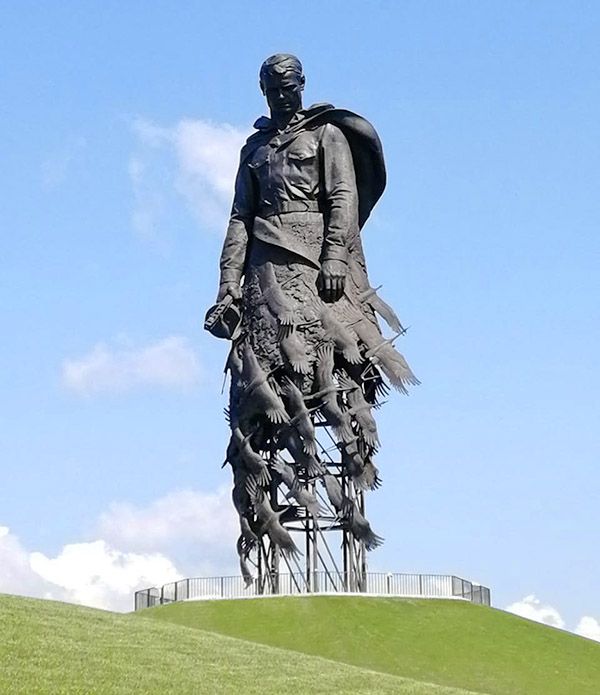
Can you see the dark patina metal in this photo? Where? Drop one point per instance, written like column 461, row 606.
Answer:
column 307, row 350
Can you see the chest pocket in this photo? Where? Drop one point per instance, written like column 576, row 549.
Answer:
column 302, row 153
column 258, row 160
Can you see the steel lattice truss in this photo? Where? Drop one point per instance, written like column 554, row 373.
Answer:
column 328, row 553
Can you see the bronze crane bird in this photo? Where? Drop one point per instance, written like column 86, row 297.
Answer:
column 301, row 418
column 274, row 296
column 295, row 351
column 239, row 494
column 234, row 365
column 296, row 490
column 374, row 385
column 360, row 411
column 241, row 502
column 258, row 392
column 349, row 515
column 380, row 351
column 292, row 442
column 364, row 473
column 334, row 492
column 369, row 479
column 382, row 308
column 361, row 529
column 254, row 462
column 243, row 553
column 269, row 520
column 340, row 336
column 327, row 393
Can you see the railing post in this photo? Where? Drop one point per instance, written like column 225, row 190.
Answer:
column 420, row 585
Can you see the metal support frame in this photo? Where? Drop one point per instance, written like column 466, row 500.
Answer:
column 330, row 553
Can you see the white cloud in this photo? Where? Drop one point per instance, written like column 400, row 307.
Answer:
column 198, row 529
column 205, row 517
column 16, row 575
column 195, row 159
column 95, row 574
column 185, row 533
column 167, row 363
column 588, row 627
column 532, row 608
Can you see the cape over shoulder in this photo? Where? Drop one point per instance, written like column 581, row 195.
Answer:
column 367, row 155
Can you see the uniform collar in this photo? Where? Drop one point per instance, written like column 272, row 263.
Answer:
column 264, row 123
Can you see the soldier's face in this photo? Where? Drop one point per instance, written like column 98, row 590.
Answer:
column 283, row 92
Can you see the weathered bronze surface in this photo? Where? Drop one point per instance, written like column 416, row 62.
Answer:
column 296, row 301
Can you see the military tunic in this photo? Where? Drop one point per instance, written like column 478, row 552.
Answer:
column 297, row 192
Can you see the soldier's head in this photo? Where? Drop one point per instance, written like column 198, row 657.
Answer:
column 282, row 82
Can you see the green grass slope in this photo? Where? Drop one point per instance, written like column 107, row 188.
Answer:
column 55, row 648
column 451, row 643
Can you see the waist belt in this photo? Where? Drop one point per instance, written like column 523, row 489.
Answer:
column 284, row 206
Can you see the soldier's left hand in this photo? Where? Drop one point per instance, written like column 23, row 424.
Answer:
column 332, row 279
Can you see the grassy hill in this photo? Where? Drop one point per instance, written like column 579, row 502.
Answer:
column 451, row 643
column 307, row 645
column 55, row 648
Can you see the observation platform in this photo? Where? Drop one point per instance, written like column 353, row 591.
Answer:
column 434, row 586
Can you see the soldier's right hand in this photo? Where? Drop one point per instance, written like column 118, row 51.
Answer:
column 229, row 288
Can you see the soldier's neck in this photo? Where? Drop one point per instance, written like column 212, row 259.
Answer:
column 282, row 120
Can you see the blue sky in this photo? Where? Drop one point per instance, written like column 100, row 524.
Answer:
column 120, row 128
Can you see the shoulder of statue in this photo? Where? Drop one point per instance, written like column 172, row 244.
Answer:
column 332, row 133
column 314, row 116
column 262, row 123
column 340, row 118
column 366, row 149
column 315, row 109
column 260, row 137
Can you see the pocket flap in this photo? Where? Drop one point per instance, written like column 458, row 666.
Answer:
column 302, row 155
column 258, row 160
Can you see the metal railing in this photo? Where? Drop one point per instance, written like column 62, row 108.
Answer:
column 322, row 582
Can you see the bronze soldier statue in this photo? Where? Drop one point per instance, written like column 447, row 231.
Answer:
column 295, row 300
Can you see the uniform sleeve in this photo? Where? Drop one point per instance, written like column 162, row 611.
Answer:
column 341, row 197
column 233, row 255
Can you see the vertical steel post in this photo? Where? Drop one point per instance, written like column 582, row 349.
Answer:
column 351, row 564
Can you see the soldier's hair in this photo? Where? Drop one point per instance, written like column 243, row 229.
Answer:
column 279, row 64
